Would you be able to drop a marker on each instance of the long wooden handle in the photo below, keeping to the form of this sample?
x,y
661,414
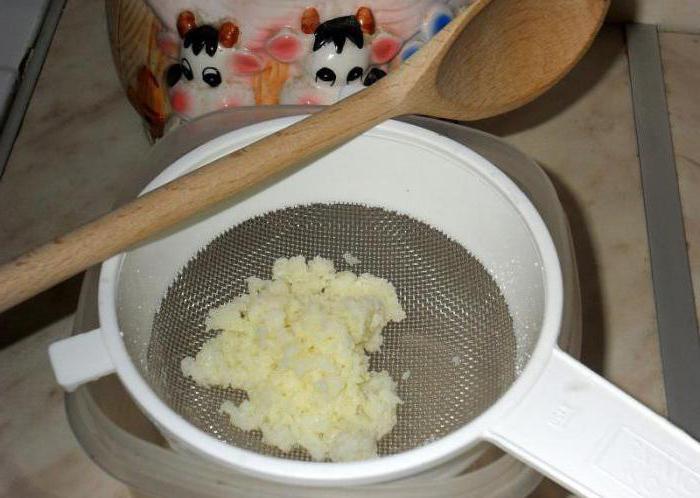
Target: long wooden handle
x,y
181,199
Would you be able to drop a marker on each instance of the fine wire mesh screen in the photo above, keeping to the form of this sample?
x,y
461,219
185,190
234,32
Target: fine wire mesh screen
x,y
456,346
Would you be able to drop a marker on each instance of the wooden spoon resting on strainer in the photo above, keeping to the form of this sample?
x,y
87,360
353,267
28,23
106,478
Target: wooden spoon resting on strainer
x,y
496,55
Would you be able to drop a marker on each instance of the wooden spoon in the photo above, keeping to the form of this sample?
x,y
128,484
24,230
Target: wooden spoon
x,y
510,53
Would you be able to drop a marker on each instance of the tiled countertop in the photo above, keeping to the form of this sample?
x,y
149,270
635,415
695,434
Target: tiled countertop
x,y
80,138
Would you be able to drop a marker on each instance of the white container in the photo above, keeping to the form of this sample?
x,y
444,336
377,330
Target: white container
x,y
557,224
556,415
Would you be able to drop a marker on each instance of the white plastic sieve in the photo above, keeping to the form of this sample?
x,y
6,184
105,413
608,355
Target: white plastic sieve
x,y
556,415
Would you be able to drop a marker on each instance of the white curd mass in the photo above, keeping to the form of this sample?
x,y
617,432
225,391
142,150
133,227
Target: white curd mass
x,y
297,345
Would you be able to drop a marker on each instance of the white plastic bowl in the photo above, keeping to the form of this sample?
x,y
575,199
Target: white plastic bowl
x,y
434,179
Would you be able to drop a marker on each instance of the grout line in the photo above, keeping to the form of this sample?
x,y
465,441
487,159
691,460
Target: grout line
x,y
678,31
34,60
673,291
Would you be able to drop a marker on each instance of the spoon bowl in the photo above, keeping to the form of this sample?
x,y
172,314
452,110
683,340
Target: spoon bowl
x,y
512,52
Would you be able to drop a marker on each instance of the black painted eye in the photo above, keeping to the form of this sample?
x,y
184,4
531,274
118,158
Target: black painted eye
x,y
186,69
325,74
374,75
173,75
211,76
355,73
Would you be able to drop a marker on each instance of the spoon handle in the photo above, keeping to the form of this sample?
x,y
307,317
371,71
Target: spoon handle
x,y
193,193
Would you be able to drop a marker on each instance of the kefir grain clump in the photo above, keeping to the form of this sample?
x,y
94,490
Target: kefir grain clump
x,y
296,344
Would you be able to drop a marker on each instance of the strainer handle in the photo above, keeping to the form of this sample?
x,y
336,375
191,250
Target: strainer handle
x,y
594,439
80,359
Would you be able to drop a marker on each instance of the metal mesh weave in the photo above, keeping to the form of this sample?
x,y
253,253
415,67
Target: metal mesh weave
x,y
457,341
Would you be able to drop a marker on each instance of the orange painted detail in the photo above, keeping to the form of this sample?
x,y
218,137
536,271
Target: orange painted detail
x,y
185,22
228,34
268,84
366,19
310,21
149,99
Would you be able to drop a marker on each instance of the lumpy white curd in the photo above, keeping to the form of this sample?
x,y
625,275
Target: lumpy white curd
x,y
296,344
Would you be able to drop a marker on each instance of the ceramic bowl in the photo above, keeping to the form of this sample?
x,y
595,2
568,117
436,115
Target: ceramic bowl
x,y
192,57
